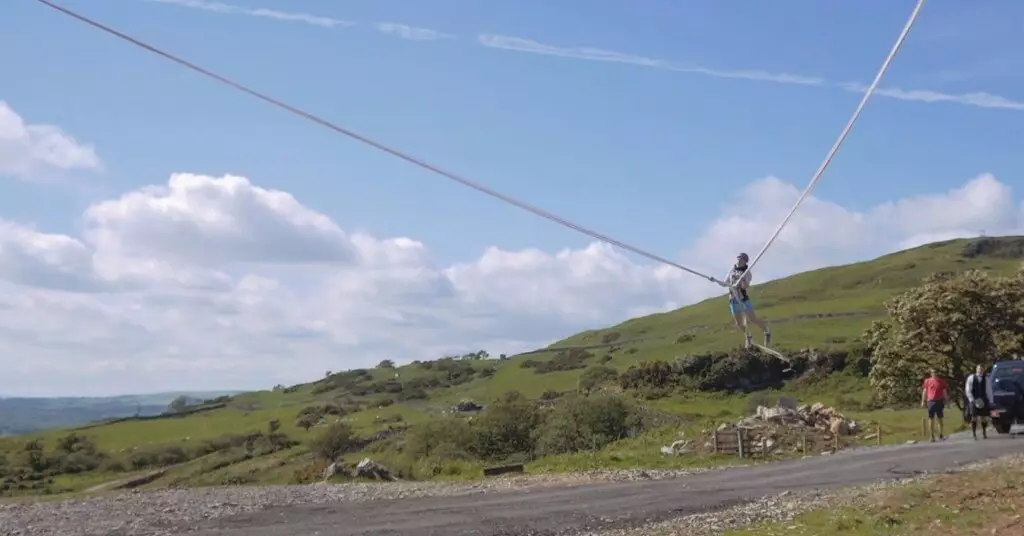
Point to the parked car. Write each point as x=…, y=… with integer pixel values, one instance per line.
x=1006, y=394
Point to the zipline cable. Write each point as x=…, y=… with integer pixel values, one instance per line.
x=842, y=136
x=377, y=145
x=493, y=193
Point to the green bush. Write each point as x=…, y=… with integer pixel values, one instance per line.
x=650, y=375
x=157, y=457
x=587, y=423
x=507, y=427
x=334, y=441
x=595, y=376
x=449, y=438
x=571, y=359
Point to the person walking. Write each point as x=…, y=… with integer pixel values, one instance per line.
x=976, y=390
x=933, y=397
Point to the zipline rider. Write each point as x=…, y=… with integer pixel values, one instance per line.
x=742, y=309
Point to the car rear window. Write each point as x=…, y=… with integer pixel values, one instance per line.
x=1015, y=371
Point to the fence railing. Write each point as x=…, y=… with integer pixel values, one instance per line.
x=743, y=443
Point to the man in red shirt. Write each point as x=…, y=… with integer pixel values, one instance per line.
x=933, y=396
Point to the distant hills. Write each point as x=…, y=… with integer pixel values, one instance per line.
x=20, y=415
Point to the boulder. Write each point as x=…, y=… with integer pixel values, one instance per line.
x=330, y=471
x=370, y=469
x=839, y=426
x=465, y=406
x=677, y=448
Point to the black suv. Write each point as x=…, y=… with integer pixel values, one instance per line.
x=1006, y=392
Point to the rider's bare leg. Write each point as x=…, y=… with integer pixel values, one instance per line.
x=740, y=321
x=752, y=317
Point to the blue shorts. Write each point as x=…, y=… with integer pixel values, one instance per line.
x=935, y=408
x=745, y=306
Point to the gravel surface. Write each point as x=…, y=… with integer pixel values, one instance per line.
x=152, y=513
x=702, y=505
x=786, y=506
x=776, y=508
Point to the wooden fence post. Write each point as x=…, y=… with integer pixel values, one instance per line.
x=878, y=435
x=714, y=442
x=803, y=443
x=739, y=441
x=835, y=442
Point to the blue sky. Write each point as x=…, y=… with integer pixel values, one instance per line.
x=649, y=154
x=642, y=153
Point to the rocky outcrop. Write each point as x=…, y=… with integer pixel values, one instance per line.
x=783, y=428
x=467, y=406
x=372, y=470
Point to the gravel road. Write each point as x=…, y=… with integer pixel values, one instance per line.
x=492, y=509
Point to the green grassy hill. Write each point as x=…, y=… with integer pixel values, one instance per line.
x=823, y=309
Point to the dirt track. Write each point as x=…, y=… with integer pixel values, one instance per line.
x=575, y=509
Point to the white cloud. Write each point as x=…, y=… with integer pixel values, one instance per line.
x=979, y=99
x=519, y=44
x=206, y=220
x=284, y=16
x=29, y=150
x=217, y=283
x=824, y=233
x=411, y=32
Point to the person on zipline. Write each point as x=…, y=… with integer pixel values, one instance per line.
x=739, y=301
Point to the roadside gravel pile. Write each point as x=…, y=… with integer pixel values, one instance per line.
x=162, y=512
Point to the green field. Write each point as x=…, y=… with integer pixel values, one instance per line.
x=825, y=309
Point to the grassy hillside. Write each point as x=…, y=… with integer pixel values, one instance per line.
x=824, y=309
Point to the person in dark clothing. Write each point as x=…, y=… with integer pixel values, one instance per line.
x=976, y=391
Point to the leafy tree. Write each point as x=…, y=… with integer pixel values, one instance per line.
x=951, y=323
x=309, y=416
x=178, y=405
x=507, y=427
x=334, y=441
x=75, y=443
x=587, y=423
x=32, y=456
x=449, y=438
x=386, y=363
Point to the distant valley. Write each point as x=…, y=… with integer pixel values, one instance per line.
x=21, y=415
